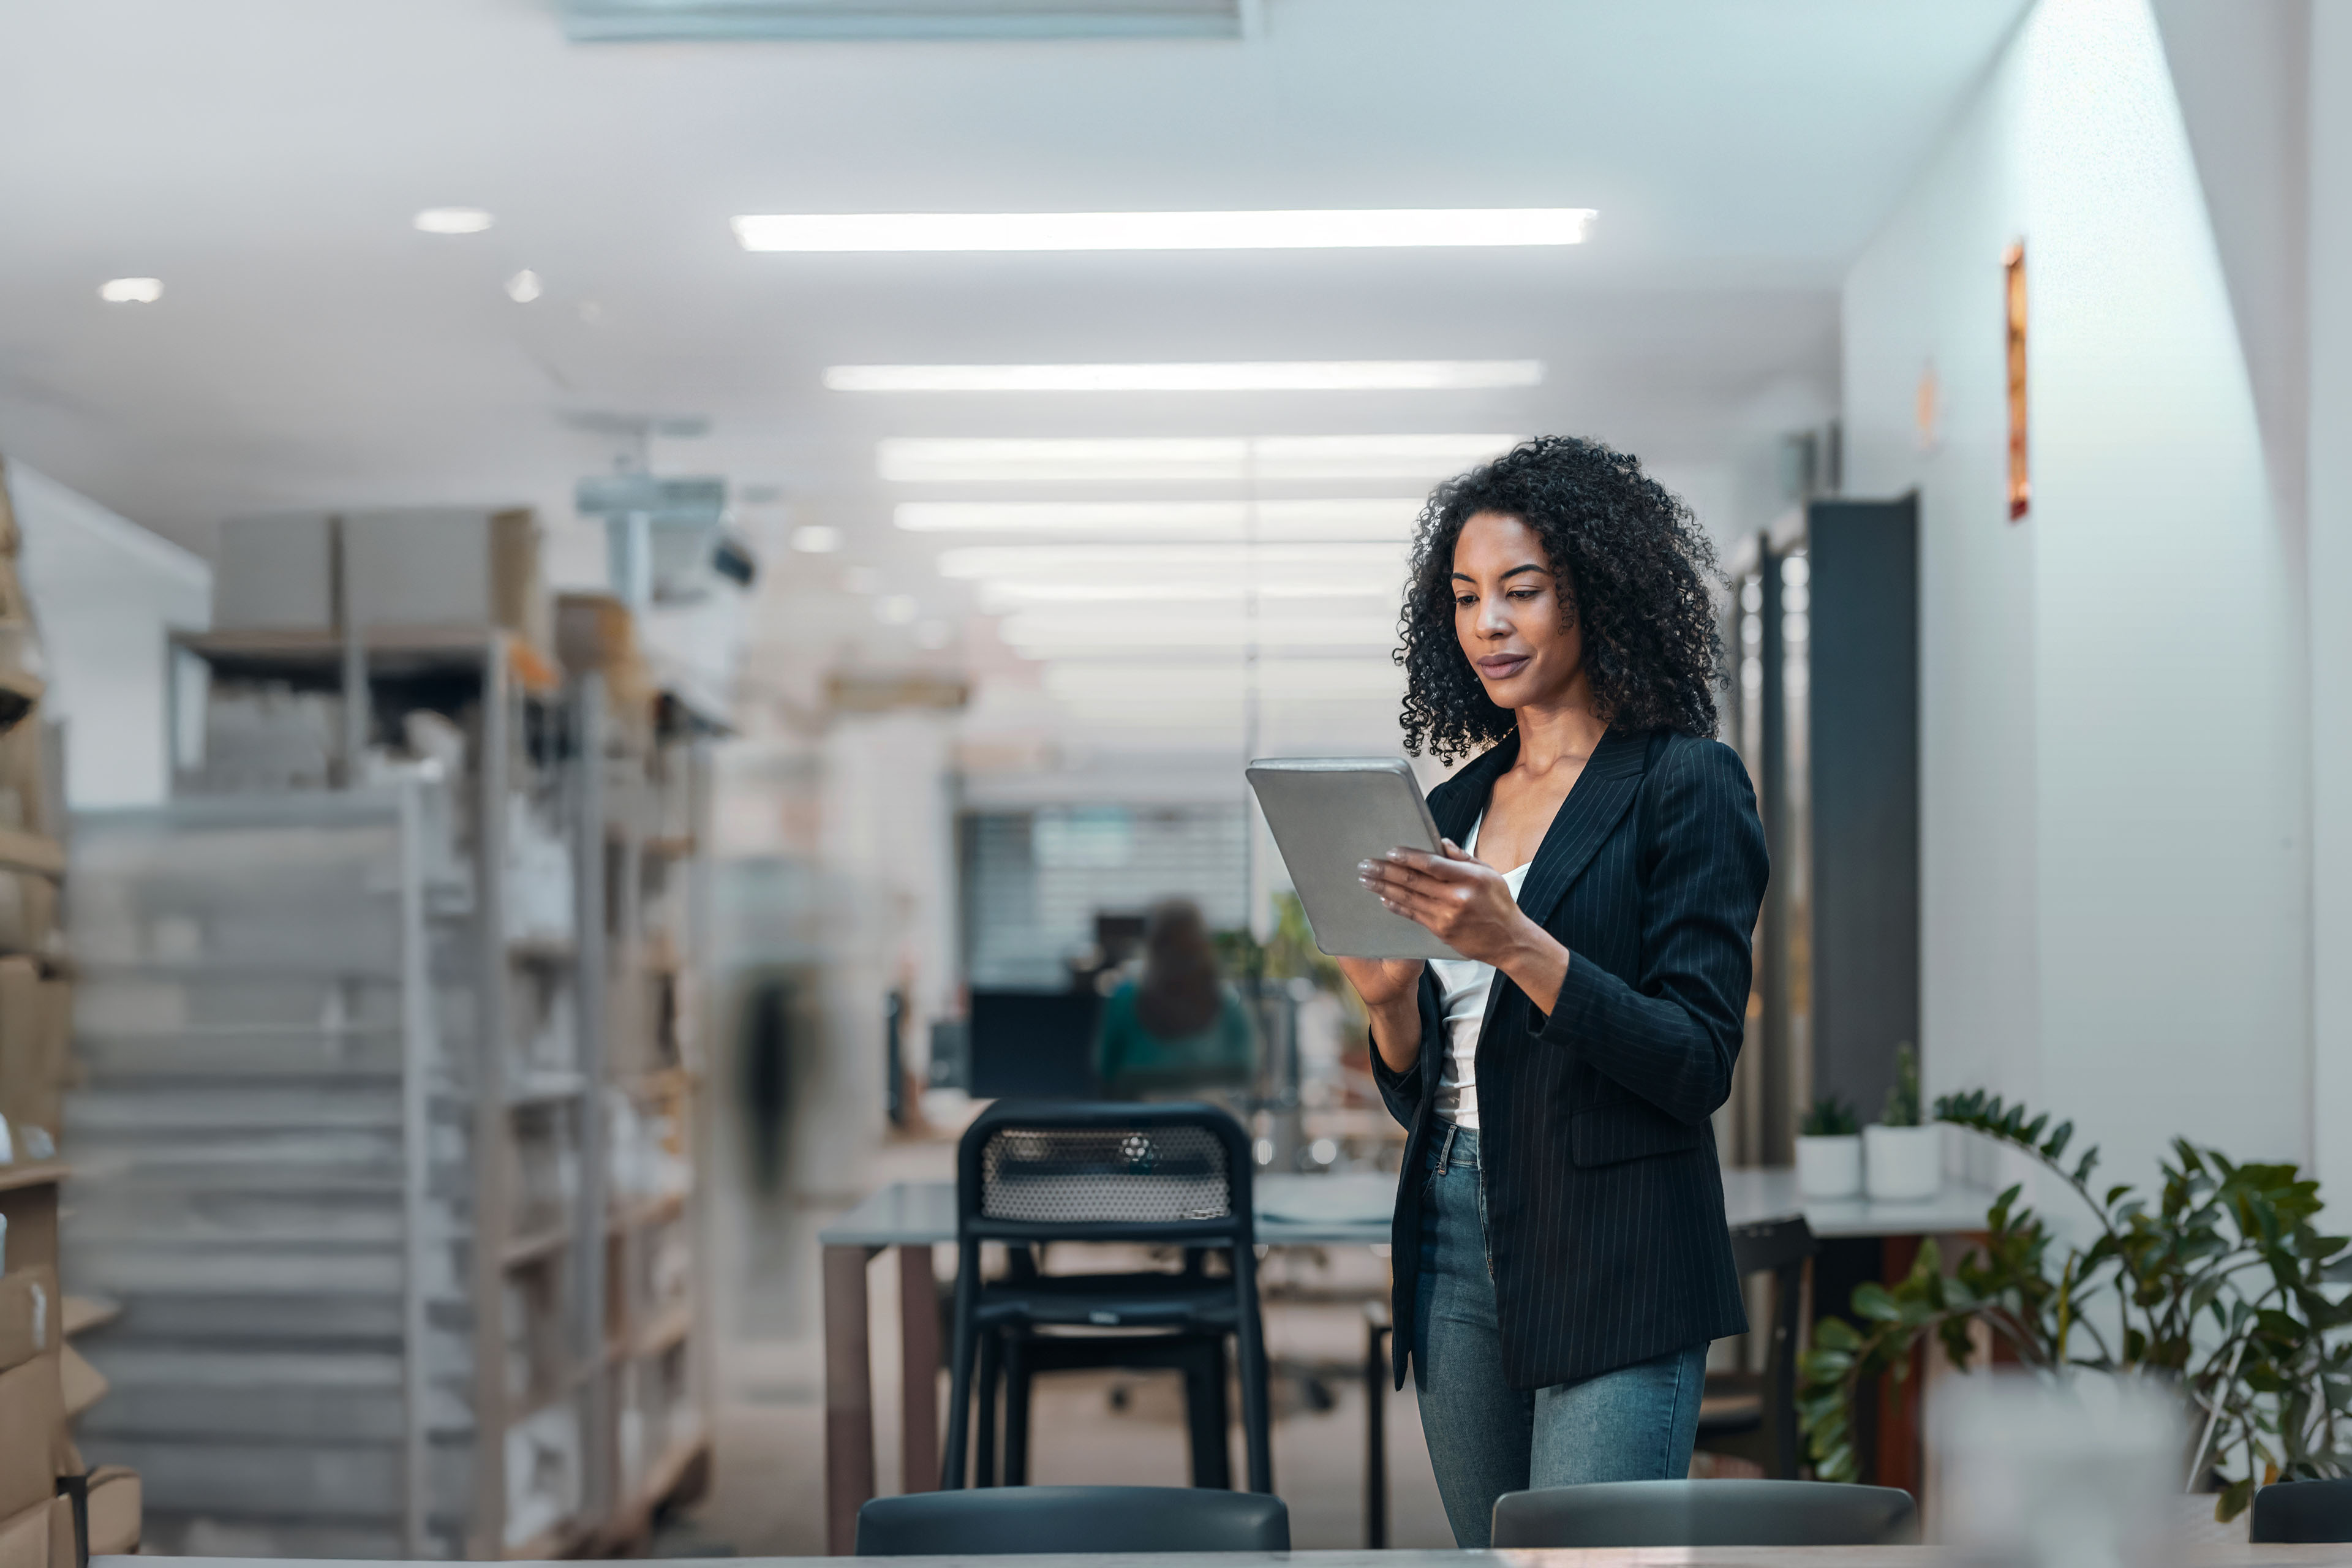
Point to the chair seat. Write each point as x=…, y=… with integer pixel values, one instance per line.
x=1109, y=1301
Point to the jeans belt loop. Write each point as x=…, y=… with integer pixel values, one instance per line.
x=1445, y=1150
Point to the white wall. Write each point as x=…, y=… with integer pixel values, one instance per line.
x=2330, y=602
x=105, y=591
x=2115, y=863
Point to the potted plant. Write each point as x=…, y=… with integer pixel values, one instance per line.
x=2219, y=1289
x=1829, y=1151
x=1902, y=1161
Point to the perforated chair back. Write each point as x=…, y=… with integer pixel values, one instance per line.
x=1705, y=1513
x=2306, y=1512
x=998, y=1520
x=1051, y=1172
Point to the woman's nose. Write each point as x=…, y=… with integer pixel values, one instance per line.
x=1492, y=622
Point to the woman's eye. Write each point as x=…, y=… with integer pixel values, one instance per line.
x=1464, y=601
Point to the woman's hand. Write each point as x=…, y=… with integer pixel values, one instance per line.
x=1467, y=905
x=1390, y=989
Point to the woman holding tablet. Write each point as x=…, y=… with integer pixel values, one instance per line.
x=1561, y=1253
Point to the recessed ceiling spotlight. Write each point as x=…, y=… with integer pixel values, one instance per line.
x=524, y=287
x=1310, y=376
x=454, y=220
x=131, y=291
x=1322, y=230
x=816, y=539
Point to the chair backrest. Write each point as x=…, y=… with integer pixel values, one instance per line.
x=1032, y=1171
x=1705, y=1513
x=1781, y=1249
x=996, y=1521
x=2304, y=1511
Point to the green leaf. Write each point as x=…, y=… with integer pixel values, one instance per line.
x=2233, y=1499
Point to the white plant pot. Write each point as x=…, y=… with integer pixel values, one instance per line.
x=1902, y=1164
x=1830, y=1167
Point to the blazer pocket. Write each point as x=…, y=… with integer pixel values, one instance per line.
x=1628, y=1129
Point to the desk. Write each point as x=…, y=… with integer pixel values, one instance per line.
x=1350, y=1210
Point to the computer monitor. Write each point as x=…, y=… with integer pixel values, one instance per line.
x=1033, y=1044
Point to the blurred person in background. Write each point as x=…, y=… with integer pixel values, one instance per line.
x=1561, y=1260
x=1178, y=1027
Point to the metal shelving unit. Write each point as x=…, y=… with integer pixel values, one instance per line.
x=349, y=1183
x=656, y=793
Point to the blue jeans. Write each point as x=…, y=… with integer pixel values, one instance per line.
x=1485, y=1437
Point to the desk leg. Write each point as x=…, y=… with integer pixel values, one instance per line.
x=848, y=1397
x=919, y=1348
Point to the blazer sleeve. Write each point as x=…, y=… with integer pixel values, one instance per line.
x=1402, y=1092
x=1672, y=1037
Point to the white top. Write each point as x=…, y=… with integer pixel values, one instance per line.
x=1463, y=985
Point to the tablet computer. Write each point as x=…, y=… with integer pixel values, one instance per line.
x=1328, y=813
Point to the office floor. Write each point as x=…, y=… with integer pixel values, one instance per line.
x=767, y=1489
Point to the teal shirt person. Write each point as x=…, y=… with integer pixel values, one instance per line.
x=1178, y=1027
x=1130, y=1057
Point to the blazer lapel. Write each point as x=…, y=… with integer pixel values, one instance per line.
x=1458, y=802
x=1607, y=787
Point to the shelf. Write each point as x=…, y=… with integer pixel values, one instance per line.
x=391, y=651
x=550, y=1090
x=674, y=1324
x=33, y=1173
x=24, y=851
x=542, y=950
x=530, y=1248
x=645, y=1212
x=83, y=1313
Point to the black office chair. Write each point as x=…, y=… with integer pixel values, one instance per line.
x=1705, y=1513
x=1020, y=1519
x=2306, y=1512
x=1751, y=1414
x=1173, y=1175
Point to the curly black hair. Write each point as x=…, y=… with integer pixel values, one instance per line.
x=1635, y=568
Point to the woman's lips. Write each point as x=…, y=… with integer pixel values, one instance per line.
x=1502, y=665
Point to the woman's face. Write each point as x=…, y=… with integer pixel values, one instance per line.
x=1515, y=618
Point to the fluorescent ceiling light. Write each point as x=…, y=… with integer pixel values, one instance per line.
x=1225, y=562
x=1311, y=230
x=454, y=220
x=1232, y=459
x=1325, y=376
x=1358, y=680
x=131, y=291
x=816, y=539
x=524, y=287
x=1272, y=519
x=1035, y=633
x=1000, y=596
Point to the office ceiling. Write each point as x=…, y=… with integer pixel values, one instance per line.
x=264, y=158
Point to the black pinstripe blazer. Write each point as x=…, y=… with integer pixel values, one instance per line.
x=1604, y=1204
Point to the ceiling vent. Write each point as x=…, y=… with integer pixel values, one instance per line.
x=638, y=21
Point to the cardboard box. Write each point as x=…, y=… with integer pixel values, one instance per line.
x=24, y=800
x=28, y=911
x=438, y=566
x=115, y=1510
x=36, y=1022
x=79, y=1384
x=33, y=1444
x=65, y=1545
x=32, y=1315
x=274, y=573
x=24, y=1535
x=8, y=535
